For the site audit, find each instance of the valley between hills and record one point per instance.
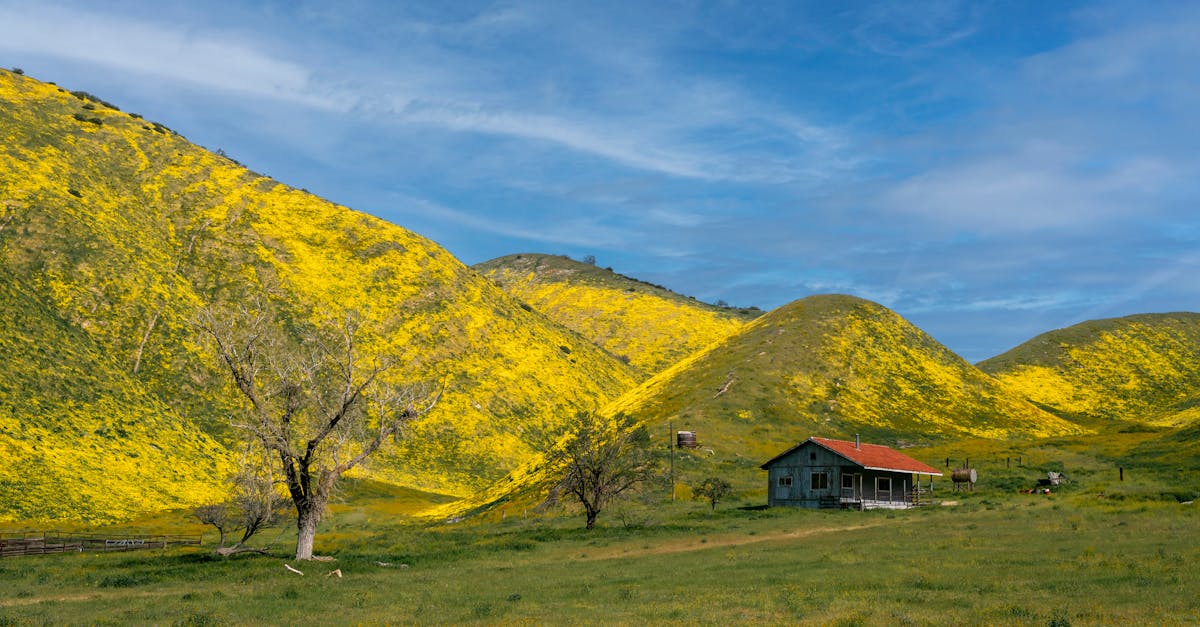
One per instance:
(116, 232)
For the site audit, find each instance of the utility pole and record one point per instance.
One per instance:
(671, 443)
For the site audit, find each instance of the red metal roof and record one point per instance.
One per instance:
(872, 456)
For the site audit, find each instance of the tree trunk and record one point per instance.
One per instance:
(591, 517)
(137, 355)
(306, 522)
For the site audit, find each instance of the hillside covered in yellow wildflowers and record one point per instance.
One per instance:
(830, 366)
(647, 325)
(79, 435)
(833, 366)
(115, 231)
(1140, 369)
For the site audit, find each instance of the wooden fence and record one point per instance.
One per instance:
(43, 542)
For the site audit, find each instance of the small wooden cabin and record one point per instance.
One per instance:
(825, 473)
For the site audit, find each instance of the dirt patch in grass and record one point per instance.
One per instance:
(708, 541)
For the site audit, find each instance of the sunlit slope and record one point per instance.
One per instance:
(1143, 368)
(648, 325)
(125, 229)
(831, 366)
(79, 437)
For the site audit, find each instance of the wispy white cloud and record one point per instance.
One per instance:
(1174, 273)
(1031, 189)
(619, 147)
(1146, 57)
(435, 85)
(899, 29)
(569, 232)
(675, 140)
(1085, 137)
(171, 52)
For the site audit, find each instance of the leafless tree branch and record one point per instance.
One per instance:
(312, 400)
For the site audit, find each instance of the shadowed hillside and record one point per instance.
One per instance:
(648, 325)
(1143, 368)
(124, 230)
(79, 435)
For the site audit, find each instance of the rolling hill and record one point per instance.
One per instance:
(648, 325)
(115, 231)
(1143, 368)
(831, 366)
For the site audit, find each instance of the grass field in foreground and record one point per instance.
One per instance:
(994, 558)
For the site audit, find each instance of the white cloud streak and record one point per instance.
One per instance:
(564, 232)
(1030, 190)
(166, 52)
(445, 94)
(1084, 137)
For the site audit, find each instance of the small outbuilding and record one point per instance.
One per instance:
(825, 473)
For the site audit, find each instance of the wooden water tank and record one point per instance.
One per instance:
(963, 475)
(686, 439)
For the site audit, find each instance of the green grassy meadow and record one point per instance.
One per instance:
(1098, 551)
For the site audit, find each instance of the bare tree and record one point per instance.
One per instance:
(601, 460)
(315, 402)
(253, 506)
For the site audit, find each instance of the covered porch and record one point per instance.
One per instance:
(880, 490)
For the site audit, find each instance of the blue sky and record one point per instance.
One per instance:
(990, 170)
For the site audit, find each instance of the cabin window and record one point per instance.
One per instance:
(883, 485)
(820, 481)
(848, 481)
(812, 457)
(785, 481)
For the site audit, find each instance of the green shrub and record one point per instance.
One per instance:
(123, 580)
(83, 118)
(198, 619)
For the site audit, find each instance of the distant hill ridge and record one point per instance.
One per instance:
(1142, 368)
(843, 365)
(646, 324)
(121, 230)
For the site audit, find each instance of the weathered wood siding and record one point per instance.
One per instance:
(798, 467)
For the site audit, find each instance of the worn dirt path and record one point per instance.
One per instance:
(706, 541)
(85, 596)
